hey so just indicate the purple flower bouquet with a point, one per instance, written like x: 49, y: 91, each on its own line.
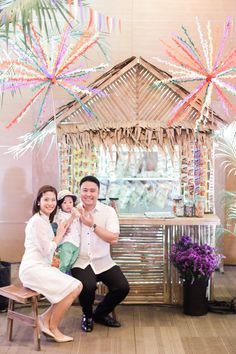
x: 193, y: 260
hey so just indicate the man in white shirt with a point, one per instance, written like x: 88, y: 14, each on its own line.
x: 99, y: 229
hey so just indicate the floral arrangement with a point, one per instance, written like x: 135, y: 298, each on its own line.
x: 194, y: 260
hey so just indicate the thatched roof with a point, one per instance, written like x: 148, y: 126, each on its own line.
x: 129, y: 109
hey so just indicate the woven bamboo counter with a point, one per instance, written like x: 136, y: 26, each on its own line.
x: 143, y: 254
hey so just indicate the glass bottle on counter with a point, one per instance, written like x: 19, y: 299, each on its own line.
x: 199, y: 206
x: 178, y: 206
x: 113, y: 202
x: 189, y: 208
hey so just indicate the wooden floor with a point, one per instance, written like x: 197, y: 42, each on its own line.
x: 145, y: 330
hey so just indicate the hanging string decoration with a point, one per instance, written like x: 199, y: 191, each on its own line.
x: 207, y: 67
x: 102, y: 23
x: 42, y: 65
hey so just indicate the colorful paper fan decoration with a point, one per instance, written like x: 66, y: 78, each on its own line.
x: 207, y: 67
x: 43, y: 64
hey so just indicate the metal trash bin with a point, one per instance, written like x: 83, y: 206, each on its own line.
x: 5, y: 279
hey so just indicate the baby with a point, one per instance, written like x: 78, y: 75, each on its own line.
x: 69, y: 247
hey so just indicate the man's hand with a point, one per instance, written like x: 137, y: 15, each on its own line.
x: 75, y: 213
x: 85, y: 217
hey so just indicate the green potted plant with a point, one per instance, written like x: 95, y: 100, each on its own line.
x: 226, y: 152
x: 195, y: 264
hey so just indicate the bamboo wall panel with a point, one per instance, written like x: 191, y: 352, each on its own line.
x: 140, y: 253
x: 143, y: 254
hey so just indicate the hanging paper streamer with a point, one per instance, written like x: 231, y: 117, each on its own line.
x: 209, y: 68
x: 200, y: 169
x: 197, y: 169
x: 43, y: 65
x: 75, y: 164
x: 187, y: 177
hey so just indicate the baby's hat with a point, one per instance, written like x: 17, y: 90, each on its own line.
x: 65, y: 193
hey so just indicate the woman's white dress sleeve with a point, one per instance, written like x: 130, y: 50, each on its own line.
x: 42, y: 237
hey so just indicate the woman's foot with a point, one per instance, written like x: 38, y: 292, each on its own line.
x: 44, y: 329
x: 63, y: 339
x: 60, y: 337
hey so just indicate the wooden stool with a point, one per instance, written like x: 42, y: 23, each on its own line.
x: 17, y: 293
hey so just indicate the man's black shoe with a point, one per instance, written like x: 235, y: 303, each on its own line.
x: 86, y: 324
x: 107, y: 321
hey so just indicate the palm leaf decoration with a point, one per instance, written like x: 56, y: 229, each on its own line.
x: 228, y: 198
x: 24, y: 12
x: 226, y: 151
x: 230, y: 204
x: 226, y: 148
x: 232, y: 212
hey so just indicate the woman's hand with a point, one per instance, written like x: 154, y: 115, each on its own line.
x: 61, y: 230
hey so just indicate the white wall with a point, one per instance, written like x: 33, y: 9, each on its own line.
x: 143, y: 25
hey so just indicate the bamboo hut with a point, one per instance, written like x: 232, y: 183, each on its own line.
x: 130, y: 112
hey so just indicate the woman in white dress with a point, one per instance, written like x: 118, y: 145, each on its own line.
x: 36, y: 271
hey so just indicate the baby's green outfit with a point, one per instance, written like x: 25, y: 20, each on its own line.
x: 69, y: 246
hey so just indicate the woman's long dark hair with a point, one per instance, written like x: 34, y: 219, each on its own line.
x: 41, y: 191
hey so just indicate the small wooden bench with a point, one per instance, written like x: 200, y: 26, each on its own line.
x: 20, y: 294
